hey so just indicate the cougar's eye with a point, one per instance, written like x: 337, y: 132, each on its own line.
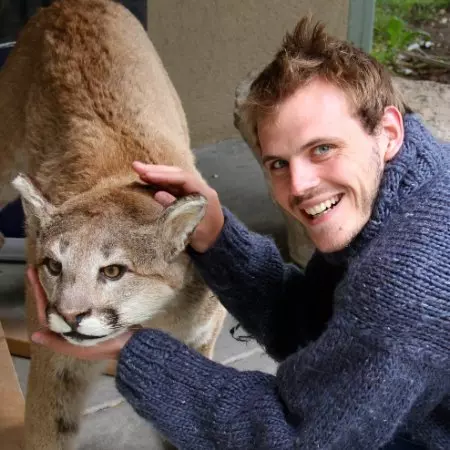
x: 54, y: 267
x: 113, y: 272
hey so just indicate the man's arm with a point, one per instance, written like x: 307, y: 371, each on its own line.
x: 340, y: 392
x: 274, y: 301
x: 384, y: 350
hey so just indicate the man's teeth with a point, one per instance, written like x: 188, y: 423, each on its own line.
x: 321, y: 207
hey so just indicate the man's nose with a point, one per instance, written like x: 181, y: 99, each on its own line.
x: 304, y: 176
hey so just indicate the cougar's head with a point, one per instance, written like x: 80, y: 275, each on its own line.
x: 109, y: 258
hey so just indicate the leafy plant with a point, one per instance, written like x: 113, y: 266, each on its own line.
x: 393, y: 37
x: 394, y: 29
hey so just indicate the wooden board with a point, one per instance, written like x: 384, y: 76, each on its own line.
x: 12, y: 405
x: 19, y: 345
x: 16, y: 337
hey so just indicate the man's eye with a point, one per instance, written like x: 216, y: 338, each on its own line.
x: 279, y: 164
x: 322, y: 149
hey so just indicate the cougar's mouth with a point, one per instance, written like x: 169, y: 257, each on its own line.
x: 79, y: 336
x: 88, y: 340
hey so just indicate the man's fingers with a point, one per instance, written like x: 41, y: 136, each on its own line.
x: 99, y: 352
x: 165, y: 178
x: 164, y: 198
x: 38, y: 294
x: 142, y: 168
x: 53, y: 341
x: 169, y: 177
x: 58, y: 344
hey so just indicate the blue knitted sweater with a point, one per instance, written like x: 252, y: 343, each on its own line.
x: 363, y: 337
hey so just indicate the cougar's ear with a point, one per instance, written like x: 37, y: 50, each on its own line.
x: 179, y: 221
x: 36, y: 208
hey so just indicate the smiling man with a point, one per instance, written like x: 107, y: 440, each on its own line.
x: 324, y: 166
x: 363, y: 336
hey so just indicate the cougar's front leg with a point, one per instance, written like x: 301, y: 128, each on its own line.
x: 56, y: 390
x: 55, y: 397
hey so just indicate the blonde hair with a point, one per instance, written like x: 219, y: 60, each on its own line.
x: 309, y: 53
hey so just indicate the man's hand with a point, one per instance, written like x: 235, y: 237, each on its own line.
x: 175, y: 182
x: 102, y: 351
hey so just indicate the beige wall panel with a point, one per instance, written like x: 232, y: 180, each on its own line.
x: 208, y: 46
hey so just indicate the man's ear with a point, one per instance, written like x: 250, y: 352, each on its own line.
x: 392, y: 132
x: 179, y: 221
x: 36, y: 208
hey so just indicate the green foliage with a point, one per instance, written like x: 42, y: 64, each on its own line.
x: 394, y: 29
x: 411, y: 10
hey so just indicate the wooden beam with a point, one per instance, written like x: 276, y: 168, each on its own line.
x: 12, y: 405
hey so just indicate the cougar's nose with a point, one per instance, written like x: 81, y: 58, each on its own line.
x: 74, y: 318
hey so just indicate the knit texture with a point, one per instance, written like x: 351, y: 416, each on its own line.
x: 363, y: 336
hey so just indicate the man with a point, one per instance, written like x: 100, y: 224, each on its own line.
x: 363, y: 337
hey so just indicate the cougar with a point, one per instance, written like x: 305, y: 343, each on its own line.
x: 82, y: 95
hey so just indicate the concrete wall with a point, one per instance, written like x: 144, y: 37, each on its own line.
x: 208, y: 46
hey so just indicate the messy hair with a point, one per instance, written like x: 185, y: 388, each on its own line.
x: 309, y: 53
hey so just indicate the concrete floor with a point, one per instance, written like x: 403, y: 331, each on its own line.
x: 109, y: 423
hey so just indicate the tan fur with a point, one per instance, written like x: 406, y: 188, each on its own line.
x: 83, y: 95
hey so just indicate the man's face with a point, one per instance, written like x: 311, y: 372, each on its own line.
x: 323, y: 167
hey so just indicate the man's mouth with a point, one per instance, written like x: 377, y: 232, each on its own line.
x: 80, y: 336
x: 323, y: 208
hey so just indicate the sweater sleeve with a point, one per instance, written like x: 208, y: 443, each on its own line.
x: 339, y: 392
x: 383, y: 355
x: 278, y: 304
